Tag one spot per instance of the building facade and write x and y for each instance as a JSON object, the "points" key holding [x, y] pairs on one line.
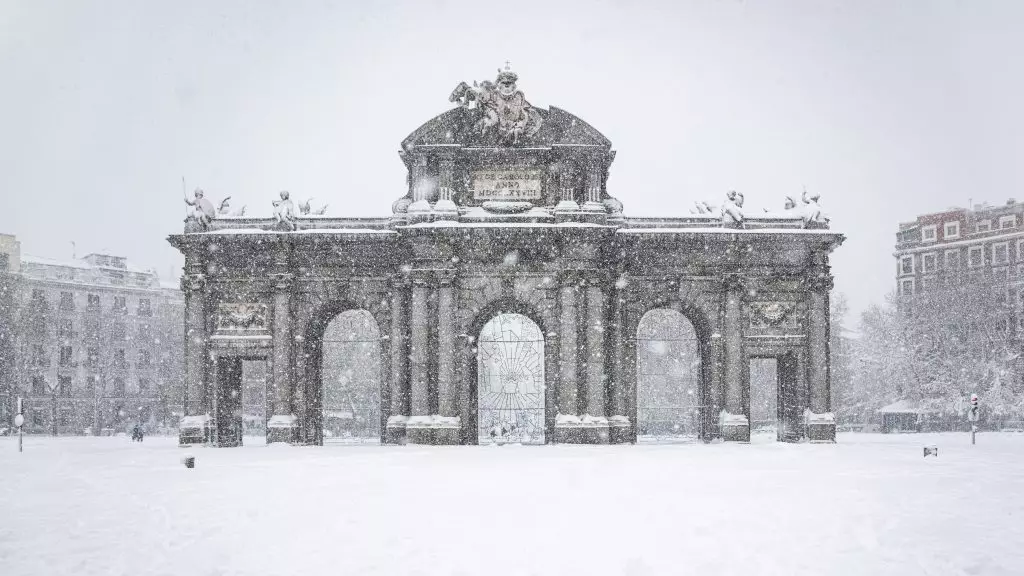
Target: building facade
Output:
{"points": [[96, 344], [507, 292]]}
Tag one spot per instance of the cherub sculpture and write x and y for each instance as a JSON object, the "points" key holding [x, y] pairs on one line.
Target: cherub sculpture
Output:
{"points": [[732, 210], [284, 212]]}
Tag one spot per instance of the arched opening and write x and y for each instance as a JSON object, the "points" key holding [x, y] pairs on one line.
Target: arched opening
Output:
{"points": [[510, 380], [350, 376], [669, 374]]}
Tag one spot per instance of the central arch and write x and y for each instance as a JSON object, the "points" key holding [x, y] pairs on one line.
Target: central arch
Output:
{"points": [[350, 378], [510, 380], [671, 378]]}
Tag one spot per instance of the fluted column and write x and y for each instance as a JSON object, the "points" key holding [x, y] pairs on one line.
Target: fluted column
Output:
{"points": [[395, 430], [821, 426], [447, 427], [619, 424], [566, 187], [567, 421], [418, 363], [194, 286], [420, 207], [445, 208], [737, 425], [592, 187], [598, 422]]}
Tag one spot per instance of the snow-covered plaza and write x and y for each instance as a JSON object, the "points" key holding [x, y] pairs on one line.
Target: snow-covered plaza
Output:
{"points": [[870, 504]]}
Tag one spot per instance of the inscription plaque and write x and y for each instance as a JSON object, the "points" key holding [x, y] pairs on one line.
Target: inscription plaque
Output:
{"points": [[509, 184]]}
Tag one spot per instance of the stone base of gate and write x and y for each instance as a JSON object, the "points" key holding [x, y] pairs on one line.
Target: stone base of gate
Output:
{"points": [[434, 430], [571, 429], [283, 428], [735, 427], [821, 428], [619, 430], [394, 430]]}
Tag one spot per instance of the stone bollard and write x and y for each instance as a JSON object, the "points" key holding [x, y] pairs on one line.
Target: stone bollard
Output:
{"points": [[931, 451], [190, 461]]}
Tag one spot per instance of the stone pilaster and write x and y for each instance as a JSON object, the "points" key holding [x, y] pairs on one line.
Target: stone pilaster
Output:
{"points": [[567, 421], [595, 423], [193, 285], [735, 422], [285, 424], [394, 432], [619, 428], [820, 428]]}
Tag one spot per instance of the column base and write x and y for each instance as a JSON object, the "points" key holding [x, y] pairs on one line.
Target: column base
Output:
{"points": [[619, 430], [194, 430], [283, 428], [821, 428], [593, 207], [571, 429], [394, 430], [735, 427], [419, 211], [434, 430], [445, 210]]}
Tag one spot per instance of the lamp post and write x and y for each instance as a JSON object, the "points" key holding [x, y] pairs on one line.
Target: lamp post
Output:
{"points": [[19, 421]]}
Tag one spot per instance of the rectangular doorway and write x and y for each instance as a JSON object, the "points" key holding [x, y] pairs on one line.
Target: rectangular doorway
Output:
{"points": [[240, 401], [775, 403]]}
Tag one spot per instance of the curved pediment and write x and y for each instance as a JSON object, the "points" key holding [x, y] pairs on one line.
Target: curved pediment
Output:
{"points": [[461, 127]]}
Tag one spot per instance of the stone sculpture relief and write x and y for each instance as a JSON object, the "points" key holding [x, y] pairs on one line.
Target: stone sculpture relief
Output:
{"points": [[202, 212], [502, 107], [284, 212], [732, 210], [239, 316]]}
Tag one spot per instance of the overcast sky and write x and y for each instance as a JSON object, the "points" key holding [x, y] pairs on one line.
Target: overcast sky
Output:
{"points": [[886, 108]]}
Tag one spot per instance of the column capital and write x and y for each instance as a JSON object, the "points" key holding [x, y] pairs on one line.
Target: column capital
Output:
{"points": [[281, 280], [193, 282]]}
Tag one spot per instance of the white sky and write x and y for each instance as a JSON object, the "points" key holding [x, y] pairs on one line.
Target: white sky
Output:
{"points": [[888, 109]]}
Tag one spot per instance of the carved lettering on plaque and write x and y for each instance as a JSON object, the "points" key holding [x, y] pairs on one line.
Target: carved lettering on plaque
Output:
{"points": [[508, 184]]}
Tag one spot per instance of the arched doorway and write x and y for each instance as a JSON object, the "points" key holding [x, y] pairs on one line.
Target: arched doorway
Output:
{"points": [[350, 373], [668, 376], [510, 380]]}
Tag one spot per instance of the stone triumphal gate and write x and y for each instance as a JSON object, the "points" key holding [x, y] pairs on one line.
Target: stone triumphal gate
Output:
{"points": [[506, 241]]}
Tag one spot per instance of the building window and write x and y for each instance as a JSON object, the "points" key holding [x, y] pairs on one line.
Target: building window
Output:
{"points": [[1001, 296], [67, 301], [928, 233], [64, 385], [1000, 253], [119, 358], [38, 385], [951, 230], [37, 418], [119, 386], [93, 302], [65, 356], [5, 262], [907, 265], [983, 226], [1001, 274], [118, 330], [144, 358], [143, 387], [907, 287], [120, 305], [66, 329], [145, 308], [952, 260], [145, 333], [1008, 221], [92, 357], [39, 358], [975, 256], [928, 263]]}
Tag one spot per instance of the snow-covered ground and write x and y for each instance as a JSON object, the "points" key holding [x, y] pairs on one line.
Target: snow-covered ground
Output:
{"points": [[870, 504]]}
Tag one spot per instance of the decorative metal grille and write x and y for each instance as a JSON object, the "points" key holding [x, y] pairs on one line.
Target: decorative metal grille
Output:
{"points": [[510, 385], [668, 378], [351, 376]]}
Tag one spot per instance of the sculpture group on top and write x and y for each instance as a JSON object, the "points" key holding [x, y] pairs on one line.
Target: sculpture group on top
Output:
{"points": [[732, 215], [502, 107], [202, 211]]}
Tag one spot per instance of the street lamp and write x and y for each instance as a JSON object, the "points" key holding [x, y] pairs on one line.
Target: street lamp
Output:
{"points": [[19, 421]]}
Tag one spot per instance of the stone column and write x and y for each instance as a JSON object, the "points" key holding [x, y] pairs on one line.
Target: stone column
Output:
{"points": [[193, 284], [592, 187], [395, 429], [618, 421], [447, 427], [420, 207], [821, 426], [445, 208], [418, 427], [566, 188], [735, 424], [596, 427], [283, 425], [567, 423]]}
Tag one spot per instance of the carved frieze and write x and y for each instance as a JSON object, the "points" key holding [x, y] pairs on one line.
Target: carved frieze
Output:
{"points": [[241, 317], [774, 314]]}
